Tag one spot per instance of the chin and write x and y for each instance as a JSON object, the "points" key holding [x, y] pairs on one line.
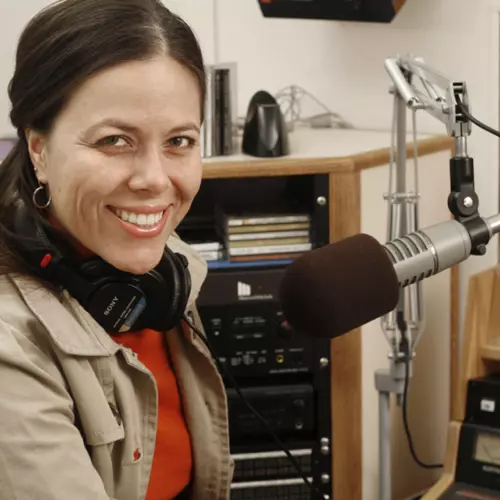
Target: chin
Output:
{"points": [[136, 265]]}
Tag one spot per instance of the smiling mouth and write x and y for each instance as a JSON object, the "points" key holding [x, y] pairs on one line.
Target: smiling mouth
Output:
{"points": [[143, 221]]}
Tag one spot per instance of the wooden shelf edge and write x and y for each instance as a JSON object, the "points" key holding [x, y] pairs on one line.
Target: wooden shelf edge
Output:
{"points": [[490, 353], [346, 357], [382, 156], [272, 167]]}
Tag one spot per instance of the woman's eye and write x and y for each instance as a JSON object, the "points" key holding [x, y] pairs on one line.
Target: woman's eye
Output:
{"points": [[114, 140], [182, 142]]}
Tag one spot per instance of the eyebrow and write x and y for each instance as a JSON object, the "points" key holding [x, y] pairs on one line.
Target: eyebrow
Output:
{"points": [[112, 122]]}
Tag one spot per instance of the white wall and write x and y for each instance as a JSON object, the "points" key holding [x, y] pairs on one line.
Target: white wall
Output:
{"points": [[13, 17], [200, 15], [341, 64]]}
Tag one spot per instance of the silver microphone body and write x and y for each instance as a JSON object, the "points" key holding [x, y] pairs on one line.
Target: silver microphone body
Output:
{"points": [[428, 251]]}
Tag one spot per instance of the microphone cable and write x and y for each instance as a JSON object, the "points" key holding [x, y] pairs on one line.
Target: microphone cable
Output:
{"points": [[405, 345], [316, 493], [463, 108]]}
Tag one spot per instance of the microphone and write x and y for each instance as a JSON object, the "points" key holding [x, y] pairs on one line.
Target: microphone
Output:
{"points": [[332, 290]]}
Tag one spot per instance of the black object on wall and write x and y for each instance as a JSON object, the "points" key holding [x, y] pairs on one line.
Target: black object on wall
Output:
{"points": [[265, 134], [377, 11]]}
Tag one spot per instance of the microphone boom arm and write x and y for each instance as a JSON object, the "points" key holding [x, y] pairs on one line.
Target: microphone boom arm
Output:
{"points": [[439, 98], [447, 101]]}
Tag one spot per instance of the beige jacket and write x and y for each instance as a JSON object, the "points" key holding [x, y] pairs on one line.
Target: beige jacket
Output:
{"points": [[78, 411]]}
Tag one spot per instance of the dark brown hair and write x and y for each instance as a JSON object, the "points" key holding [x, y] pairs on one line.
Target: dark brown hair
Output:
{"points": [[59, 49]]}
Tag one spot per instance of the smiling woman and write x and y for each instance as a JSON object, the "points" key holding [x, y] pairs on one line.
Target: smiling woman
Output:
{"points": [[107, 384], [116, 147]]}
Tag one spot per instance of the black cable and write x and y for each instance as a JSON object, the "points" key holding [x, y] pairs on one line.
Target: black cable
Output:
{"points": [[405, 417], [480, 124], [222, 368]]}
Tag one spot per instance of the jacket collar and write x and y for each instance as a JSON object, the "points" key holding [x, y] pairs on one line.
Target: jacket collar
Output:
{"points": [[72, 328]]}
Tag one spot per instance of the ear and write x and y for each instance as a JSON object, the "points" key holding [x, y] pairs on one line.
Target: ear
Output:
{"points": [[37, 147]]}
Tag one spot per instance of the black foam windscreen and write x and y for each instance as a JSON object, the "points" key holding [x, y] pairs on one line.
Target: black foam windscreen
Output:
{"points": [[334, 289]]}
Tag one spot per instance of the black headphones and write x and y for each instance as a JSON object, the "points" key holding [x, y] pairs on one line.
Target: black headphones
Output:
{"points": [[117, 300]]}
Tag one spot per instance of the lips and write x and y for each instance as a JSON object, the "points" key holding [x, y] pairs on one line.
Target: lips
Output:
{"points": [[142, 224], [139, 219]]}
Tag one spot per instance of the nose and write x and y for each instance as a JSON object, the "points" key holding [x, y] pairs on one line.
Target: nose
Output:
{"points": [[150, 173]]}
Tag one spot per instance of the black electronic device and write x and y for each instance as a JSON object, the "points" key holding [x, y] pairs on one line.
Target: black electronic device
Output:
{"points": [[478, 462], [275, 489], [265, 133], [283, 375], [262, 463], [477, 473], [245, 324], [483, 401], [461, 491], [288, 409], [264, 472], [381, 11]]}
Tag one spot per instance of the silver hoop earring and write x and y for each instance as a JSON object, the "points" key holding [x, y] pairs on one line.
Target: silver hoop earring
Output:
{"points": [[36, 193]]}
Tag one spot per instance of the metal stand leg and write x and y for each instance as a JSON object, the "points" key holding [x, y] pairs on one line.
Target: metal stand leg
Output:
{"points": [[400, 324], [387, 382], [384, 446]]}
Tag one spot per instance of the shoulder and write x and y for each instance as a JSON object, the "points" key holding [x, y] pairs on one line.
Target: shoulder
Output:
{"points": [[19, 325], [13, 309]]}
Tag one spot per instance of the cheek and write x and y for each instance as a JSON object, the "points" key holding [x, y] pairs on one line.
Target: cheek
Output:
{"points": [[69, 185], [187, 186], [78, 186], [189, 183]]}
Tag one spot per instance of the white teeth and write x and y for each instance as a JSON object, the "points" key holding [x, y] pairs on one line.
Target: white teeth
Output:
{"points": [[143, 220]]}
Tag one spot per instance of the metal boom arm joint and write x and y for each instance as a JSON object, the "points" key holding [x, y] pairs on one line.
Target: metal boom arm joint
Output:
{"points": [[447, 101]]}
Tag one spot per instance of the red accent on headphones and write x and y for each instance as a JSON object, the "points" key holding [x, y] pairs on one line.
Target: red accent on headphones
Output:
{"points": [[46, 261]]}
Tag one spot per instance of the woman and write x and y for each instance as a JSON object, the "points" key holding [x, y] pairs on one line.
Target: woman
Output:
{"points": [[107, 99]]}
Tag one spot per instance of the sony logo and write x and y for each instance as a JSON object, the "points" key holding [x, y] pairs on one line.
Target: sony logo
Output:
{"points": [[111, 306]]}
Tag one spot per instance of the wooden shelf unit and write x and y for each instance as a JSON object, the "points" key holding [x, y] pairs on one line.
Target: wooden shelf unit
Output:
{"points": [[344, 155]]}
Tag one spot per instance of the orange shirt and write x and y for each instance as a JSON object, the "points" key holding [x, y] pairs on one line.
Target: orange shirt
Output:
{"points": [[172, 461]]}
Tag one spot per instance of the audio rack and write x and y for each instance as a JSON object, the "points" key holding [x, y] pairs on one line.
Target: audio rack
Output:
{"points": [[285, 376]]}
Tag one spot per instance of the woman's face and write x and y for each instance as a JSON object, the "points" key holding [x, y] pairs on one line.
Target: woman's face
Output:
{"points": [[123, 162]]}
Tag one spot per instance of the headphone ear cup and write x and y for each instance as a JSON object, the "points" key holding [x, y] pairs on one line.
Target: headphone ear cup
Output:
{"points": [[166, 289], [175, 266], [117, 299], [184, 279], [160, 296]]}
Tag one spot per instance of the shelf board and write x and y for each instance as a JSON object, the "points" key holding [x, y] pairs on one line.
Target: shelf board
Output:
{"points": [[490, 352], [322, 151]]}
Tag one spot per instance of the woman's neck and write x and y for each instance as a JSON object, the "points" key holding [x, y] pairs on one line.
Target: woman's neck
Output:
{"points": [[82, 251]]}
